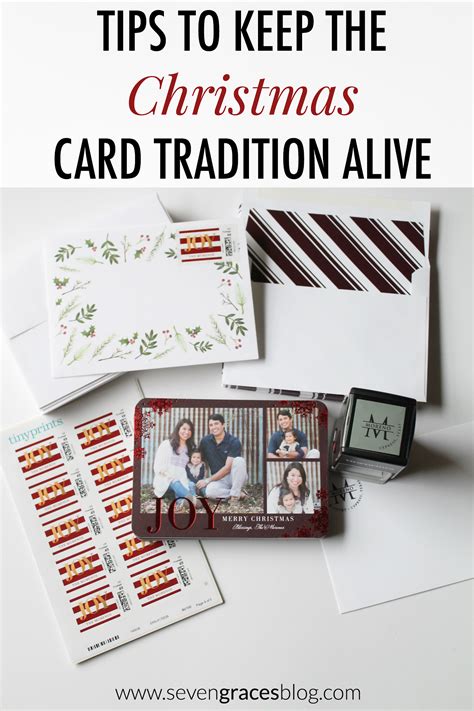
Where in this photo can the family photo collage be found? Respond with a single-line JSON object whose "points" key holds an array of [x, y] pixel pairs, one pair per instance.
{"points": [[214, 468]]}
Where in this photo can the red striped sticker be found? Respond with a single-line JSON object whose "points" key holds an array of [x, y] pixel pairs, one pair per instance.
{"points": [[92, 607], [79, 568], [119, 509], [39, 456], [49, 496], [199, 245]]}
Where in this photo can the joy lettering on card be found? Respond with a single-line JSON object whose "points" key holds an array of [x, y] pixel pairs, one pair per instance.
{"points": [[66, 531], [134, 549]]}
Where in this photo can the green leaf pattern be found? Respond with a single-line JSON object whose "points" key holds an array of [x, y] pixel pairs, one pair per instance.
{"points": [[231, 268], [148, 344], [221, 329], [236, 323], [110, 252], [65, 253], [85, 314]]}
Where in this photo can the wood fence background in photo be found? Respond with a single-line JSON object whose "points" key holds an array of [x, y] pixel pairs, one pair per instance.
{"points": [[275, 471], [244, 423], [306, 423]]}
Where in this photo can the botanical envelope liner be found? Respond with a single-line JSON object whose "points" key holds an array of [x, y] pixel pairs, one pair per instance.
{"points": [[149, 297]]}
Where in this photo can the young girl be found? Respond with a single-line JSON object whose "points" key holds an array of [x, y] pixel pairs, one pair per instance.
{"points": [[287, 503], [289, 444]]}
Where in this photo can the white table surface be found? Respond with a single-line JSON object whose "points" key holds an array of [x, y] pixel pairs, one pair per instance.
{"points": [[280, 623]]}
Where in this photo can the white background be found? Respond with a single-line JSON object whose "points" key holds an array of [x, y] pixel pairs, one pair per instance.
{"points": [[59, 83], [280, 623]]}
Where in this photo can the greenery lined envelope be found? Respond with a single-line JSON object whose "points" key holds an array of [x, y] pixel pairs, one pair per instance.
{"points": [[149, 297]]}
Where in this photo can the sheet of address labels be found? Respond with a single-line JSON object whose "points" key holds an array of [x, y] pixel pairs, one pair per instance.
{"points": [[71, 478]]}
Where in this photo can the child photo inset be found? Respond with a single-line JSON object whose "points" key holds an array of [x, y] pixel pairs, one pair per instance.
{"points": [[291, 435], [293, 487]]}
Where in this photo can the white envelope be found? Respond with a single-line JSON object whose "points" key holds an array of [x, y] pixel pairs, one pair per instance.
{"points": [[324, 337], [26, 327], [411, 535], [149, 296]]}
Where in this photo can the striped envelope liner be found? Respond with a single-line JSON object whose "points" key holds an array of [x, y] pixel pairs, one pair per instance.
{"points": [[330, 251], [342, 294]]}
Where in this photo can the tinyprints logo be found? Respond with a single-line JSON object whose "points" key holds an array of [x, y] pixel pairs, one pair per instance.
{"points": [[345, 494], [389, 434]]}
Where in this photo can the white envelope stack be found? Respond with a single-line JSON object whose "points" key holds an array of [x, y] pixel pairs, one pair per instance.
{"points": [[26, 327], [341, 298]]}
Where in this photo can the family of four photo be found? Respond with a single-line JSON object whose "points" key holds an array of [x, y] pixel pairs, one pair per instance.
{"points": [[215, 468]]}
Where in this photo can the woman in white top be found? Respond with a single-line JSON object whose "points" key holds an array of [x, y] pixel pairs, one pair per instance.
{"points": [[170, 461], [294, 479]]}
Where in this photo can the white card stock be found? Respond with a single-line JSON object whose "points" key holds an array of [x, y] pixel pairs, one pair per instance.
{"points": [[26, 326]]}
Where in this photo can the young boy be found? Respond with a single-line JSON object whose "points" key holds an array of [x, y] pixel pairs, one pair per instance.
{"points": [[195, 471]]}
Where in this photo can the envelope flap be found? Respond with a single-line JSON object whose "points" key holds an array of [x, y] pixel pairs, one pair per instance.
{"points": [[338, 340], [369, 248], [24, 303], [24, 293]]}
